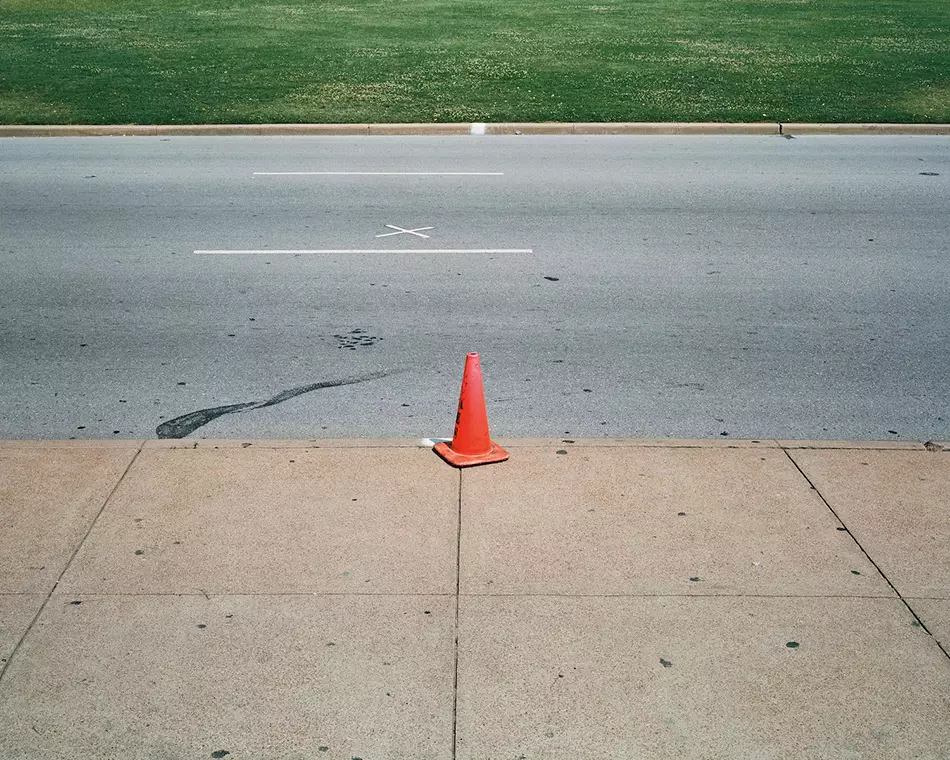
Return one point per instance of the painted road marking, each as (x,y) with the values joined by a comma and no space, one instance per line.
(369,250)
(379,174)
(478,128)
(401,231)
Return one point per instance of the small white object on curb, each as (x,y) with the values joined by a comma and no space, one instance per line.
(428,443)
(478,128)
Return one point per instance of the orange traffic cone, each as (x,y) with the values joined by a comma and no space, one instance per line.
(471,443)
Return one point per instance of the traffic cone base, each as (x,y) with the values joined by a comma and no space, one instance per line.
(471,443)
(495,454)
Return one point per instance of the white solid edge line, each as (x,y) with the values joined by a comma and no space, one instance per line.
(379,174)
(369,250)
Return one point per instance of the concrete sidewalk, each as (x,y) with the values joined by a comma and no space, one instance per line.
(586,599)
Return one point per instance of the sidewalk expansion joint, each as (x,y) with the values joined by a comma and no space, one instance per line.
(864,551)
(458,586)
(221,594)
(693,595)
(452,594)
(92,524)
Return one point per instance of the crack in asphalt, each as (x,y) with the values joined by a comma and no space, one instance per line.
(188,423)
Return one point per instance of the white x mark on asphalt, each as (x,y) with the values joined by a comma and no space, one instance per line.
(400,231)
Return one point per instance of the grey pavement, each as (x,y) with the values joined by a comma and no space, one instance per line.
(586,599)
(685,286)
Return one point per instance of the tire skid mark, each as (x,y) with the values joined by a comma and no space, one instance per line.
(184,425)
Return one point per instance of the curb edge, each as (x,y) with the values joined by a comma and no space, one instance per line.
(499,128)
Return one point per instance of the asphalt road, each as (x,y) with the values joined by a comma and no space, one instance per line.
(675,286)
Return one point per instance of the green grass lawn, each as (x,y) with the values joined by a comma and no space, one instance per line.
(237,61)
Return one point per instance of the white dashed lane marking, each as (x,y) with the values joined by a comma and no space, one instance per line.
(379,174)
(278,252)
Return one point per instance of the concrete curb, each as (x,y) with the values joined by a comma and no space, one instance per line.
(387,443)
(864,129)
(501,128)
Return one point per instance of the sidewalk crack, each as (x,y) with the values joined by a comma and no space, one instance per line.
(105,503)
(864,551)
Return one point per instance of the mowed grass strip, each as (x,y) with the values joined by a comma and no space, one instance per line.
(260,61)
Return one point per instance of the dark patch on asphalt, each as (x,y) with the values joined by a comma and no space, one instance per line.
(792,644)
(929,174)
(356,338)
(552,279)
(179,427)
(666,663)
(693,386)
